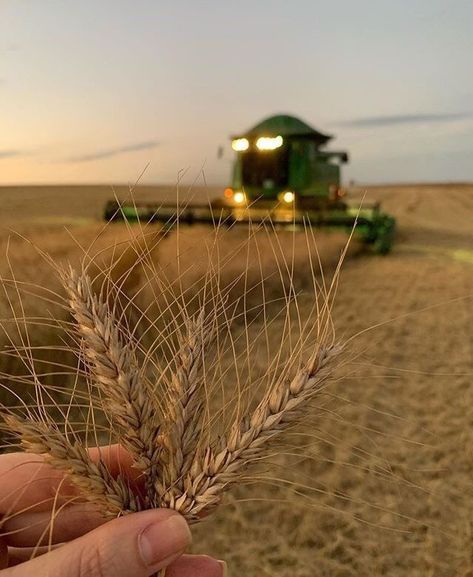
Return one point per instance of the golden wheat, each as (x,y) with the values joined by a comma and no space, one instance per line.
(179,473)
(111,494)
(115,371)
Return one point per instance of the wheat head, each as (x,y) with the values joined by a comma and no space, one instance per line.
(163,432)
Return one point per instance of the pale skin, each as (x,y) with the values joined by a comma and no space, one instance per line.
(79,542)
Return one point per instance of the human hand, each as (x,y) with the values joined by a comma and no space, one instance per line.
(48,532)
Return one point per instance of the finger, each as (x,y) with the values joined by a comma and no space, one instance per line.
(118,461)
(196,566)
(48,527)
(3,554)
(185,566)
(28,483)
(140,545)
(17,555)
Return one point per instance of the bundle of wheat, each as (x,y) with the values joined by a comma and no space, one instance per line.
(186,459)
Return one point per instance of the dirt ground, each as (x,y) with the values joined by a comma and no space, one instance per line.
(387,489)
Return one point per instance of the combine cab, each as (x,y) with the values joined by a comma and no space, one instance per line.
(282,174)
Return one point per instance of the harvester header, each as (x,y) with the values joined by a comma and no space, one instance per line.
(282,173)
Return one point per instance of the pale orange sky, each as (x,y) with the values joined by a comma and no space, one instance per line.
(96,91)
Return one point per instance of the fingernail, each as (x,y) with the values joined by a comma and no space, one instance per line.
(160,543)
(224,567)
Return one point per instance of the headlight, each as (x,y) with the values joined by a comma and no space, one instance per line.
(240,144)
(239,197)
(288,197)
(269,143)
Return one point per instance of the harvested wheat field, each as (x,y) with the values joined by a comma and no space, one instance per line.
(378,479)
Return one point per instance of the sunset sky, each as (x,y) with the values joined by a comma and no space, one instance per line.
(97,91)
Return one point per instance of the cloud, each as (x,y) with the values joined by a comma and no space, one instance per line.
(11,153)
(9,48)
(109,152)
(375,121)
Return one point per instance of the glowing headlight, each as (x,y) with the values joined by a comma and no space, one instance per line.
(269,143)
(288,197)
(240,144)
(239,197)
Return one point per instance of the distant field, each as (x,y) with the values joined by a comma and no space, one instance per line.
(391,476)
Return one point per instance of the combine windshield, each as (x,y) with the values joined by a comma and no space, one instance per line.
(267,170)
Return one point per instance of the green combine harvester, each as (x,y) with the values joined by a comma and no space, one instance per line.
(282,175)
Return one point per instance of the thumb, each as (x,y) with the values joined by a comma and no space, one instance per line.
(139,545)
